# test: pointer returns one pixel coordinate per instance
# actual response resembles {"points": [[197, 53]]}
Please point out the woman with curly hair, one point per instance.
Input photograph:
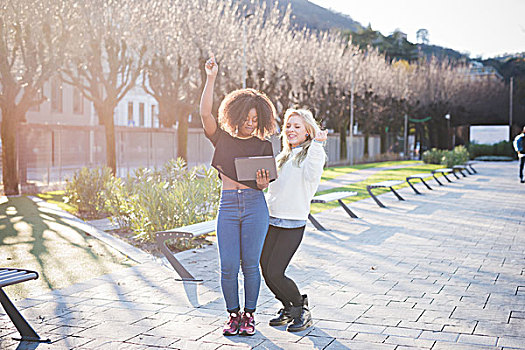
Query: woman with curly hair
{"points": [[246, 118]]}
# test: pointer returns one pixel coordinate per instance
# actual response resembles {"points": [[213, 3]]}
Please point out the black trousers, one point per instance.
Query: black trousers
{"points": [[279, 247], [522, 163]]}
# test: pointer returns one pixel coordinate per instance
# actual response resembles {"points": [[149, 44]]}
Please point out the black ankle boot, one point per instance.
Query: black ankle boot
{"points": [[283, 317], [302, 318]]}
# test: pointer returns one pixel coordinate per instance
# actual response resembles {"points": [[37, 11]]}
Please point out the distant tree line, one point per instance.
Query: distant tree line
{"points": [[103, 47]]}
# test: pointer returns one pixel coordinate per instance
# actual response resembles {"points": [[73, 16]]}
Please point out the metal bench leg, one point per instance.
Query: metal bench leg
{"points": [[455, 175], [397, 194], [415, 190], [162, 237], [424, 183], [435, 178], [375, 198], [474, 170], [348, 211], [26, 331], [446, 177], [316, 223], [468, 170], [462, 173]]}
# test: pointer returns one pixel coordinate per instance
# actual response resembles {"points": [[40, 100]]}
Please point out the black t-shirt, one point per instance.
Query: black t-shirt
{"points": [[227, 148]]}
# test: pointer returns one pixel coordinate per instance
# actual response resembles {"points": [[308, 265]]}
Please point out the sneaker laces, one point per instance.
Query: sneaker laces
{"points": [[233, 317], [248, 320]]}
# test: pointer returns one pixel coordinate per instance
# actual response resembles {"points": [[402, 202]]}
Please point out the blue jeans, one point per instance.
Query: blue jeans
{"points": [[242, 224]]}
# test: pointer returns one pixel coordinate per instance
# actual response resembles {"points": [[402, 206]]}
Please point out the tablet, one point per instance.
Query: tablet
{"points": [[246, 167]]}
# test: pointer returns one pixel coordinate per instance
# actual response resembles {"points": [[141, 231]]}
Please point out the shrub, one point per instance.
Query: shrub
{"points": [[159, 200], [457, 156], [88, 189], [433, 156]]}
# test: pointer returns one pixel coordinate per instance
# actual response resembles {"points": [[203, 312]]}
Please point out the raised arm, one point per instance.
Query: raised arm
{"points": [[209, 123]]}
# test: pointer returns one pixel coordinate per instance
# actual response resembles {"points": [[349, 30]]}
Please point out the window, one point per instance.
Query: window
{"points": [[154, 117], [78, 102], [141, 114], [38, 97], [56, 95], [130, 114]]}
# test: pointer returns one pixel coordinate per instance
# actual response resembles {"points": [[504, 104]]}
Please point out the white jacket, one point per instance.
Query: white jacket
{"points": [[289, 196]]}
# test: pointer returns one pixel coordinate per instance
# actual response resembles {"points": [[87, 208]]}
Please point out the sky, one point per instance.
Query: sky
{"points": [[481, 28]]}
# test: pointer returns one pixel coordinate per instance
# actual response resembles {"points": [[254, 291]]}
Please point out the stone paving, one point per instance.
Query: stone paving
{"points": [[442, 270]]}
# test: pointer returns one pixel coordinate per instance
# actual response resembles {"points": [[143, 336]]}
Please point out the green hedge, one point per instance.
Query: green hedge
{"points": [[503, 148], [459, 155]]}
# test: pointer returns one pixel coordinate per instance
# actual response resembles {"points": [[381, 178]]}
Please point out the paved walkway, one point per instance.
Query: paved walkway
{"points": [[443, 270]]}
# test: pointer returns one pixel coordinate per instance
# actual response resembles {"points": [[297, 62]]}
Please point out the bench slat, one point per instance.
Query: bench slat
{"points": [[329, 197], [388, 183], [17, 279], [419, 176], [443, 170], [198, 229], [13, 276]]}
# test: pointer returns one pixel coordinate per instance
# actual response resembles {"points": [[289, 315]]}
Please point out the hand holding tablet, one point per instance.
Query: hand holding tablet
{"points": [[247, 167]]}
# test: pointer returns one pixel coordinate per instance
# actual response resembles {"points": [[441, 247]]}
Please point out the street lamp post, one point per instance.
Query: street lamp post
{"points": [[447, 117], [244, 49], [510, 108], [352, 116]]}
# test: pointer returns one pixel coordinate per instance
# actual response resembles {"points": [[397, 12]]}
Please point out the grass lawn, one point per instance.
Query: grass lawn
{"points": [[37, 238], [57, 197], [333, 172], [382, 175]]}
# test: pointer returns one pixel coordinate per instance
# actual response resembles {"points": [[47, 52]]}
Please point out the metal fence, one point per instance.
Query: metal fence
{"points": [[51, 153], [356, 149]]}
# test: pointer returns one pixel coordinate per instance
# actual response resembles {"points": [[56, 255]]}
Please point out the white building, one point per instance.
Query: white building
{"points": [[65, 105]]}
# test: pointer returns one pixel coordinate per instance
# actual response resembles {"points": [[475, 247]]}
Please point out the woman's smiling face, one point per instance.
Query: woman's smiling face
{"points": [[296, 133], [250, 124]]}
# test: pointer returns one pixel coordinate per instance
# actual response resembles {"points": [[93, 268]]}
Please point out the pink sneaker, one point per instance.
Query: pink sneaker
{"points": [[232, 326], [247, 326]]}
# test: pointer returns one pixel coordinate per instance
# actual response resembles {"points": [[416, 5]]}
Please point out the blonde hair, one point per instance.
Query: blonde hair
{"points": [[312, 128]]}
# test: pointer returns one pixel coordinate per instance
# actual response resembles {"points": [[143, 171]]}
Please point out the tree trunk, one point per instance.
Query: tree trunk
{"points": [[183, 109], [111, 155], [366, 145], [383, 135], [105, 115], [342, 142], [182, 139], [9, 152]]}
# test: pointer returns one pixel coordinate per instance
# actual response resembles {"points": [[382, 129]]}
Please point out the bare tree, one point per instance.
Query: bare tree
{"points": [[32, 38], [106, 58]]}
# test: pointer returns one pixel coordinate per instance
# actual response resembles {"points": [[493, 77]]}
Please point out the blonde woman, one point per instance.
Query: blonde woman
{"points": [[300, 165]]}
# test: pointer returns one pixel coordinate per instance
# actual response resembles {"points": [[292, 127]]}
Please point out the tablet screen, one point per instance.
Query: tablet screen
{"points": [[246, 167]]}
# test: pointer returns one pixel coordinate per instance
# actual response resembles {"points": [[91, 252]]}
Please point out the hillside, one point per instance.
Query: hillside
{"points": [[313, 16]]}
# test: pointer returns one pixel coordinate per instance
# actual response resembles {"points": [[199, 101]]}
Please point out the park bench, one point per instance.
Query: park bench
{"points": [[460, 169], [421, 177], [330, 197], [444, 172], [468, 165], [189, 231], [384, 184], [10, 276]]}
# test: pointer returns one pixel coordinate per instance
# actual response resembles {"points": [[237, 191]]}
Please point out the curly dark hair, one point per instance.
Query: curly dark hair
{"points": [[235, 107]]}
